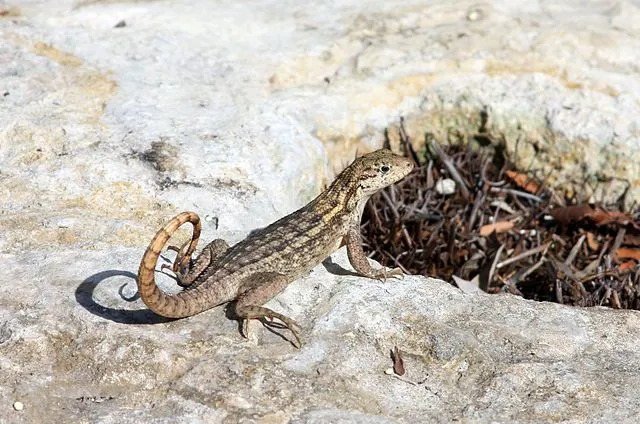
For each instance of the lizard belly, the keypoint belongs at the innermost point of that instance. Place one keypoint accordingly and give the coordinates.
(315, 257)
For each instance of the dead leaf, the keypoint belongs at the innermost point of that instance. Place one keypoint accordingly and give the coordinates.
(625, 266)
(498, 227)
(593, 213)
(628, 253)
(523, 181)
(398, 363)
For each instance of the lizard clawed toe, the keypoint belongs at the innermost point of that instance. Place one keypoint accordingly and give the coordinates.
(171, 275)
(290, 324)
(382, 275)
(395, 273)
(244, 330)
(295, 330)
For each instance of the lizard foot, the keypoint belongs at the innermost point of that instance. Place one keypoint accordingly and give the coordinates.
(172, 274)
(181, 261)
(383, 274)
(167, 266)
(290, 324)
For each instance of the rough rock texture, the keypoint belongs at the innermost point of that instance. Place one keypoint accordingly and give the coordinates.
(116, 114)
(91, 355)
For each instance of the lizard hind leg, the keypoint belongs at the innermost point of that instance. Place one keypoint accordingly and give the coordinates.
(175, 267)
(182, 262)
(187, 275)
(260, 289)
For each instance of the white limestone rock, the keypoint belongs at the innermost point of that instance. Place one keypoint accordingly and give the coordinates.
(242, 111)
(80, 351)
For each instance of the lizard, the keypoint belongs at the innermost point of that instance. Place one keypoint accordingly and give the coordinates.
(259, 267)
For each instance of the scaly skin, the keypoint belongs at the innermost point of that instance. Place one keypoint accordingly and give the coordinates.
(262, 265)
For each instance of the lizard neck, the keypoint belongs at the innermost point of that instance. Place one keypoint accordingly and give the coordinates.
(343, 199)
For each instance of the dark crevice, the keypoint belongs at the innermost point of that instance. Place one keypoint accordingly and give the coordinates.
(543, 249)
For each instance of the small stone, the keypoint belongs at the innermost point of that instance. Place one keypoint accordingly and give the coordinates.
(474, 15)
(446, 186)
(18, 406)
(389, 371)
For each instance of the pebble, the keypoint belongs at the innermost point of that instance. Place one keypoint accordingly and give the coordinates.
(446, 186)
(474, 15)
(18, 406)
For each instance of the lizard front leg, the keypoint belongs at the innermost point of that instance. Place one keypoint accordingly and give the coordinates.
(359, 261)
(258, 290)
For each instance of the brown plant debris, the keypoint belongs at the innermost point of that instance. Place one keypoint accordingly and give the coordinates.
(498, 227)
(593, 213)
(398, 363)
(523, 181)
(503, 230)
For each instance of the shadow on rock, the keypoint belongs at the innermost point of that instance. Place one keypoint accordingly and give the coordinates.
(84, 296)
(335, 269)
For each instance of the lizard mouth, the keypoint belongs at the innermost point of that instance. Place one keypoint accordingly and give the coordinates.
(407, 165)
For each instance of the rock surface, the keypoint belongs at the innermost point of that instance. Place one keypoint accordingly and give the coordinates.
(115, 115)
(90, 355)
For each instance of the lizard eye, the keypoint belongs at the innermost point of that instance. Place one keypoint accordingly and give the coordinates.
(384, 169)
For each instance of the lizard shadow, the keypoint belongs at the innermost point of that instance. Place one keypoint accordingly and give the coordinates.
(84, 297)
(335, 269)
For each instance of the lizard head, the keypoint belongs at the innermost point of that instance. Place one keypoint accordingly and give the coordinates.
(365, 176)
(379, 169)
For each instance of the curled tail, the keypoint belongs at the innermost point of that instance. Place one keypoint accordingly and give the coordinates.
(173, 306)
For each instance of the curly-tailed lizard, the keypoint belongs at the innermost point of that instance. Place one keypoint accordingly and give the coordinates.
(262, 265)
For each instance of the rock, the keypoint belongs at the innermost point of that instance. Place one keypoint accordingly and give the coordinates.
(477, 357)
(243, 112)
(445, 186)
